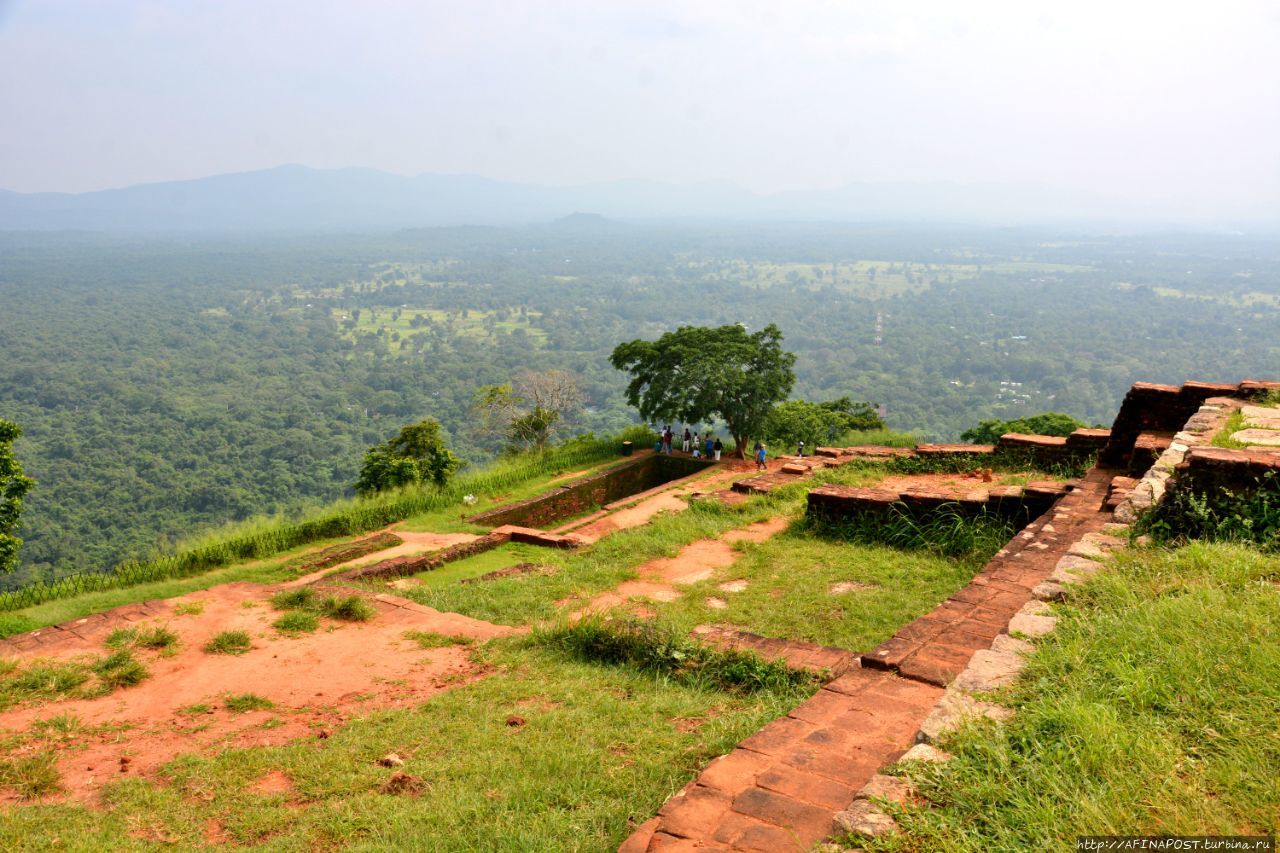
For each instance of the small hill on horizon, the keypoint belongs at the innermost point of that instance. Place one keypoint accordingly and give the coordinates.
(295, 197)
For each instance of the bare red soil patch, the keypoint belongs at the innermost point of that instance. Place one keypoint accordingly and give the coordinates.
(315, 683)
(660, 579)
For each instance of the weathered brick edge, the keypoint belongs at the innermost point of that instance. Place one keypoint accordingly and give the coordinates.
(1046, 450)
(398, 567)
(937, 646)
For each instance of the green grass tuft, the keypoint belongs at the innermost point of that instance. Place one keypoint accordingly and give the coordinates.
(353, 608)
(432, 640)
(294, 599)
(229, 643)
(244, 702)
(119, 669)
(31, 776)
(296, 622)
(661, 652)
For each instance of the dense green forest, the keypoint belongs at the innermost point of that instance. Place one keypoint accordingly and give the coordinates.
(167, 385)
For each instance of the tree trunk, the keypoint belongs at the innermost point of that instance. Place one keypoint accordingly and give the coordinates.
(740, 446)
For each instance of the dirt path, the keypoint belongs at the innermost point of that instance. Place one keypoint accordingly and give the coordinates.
(315, 681)
(660, 579)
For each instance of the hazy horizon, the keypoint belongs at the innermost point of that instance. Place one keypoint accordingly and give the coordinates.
(1143, 109)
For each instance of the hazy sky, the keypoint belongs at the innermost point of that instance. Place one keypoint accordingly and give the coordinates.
(1173, 101)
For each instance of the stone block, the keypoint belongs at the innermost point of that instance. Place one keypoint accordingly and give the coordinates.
(865, 818)
(925, 752)
(988, 670)
(889, 788)
(951, 712)
(1033, 620)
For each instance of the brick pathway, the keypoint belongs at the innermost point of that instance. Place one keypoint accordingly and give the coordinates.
(937, 646)
(778, 790)
(79, 632)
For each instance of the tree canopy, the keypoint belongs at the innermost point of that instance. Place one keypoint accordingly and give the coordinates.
(417, 454)
(526, 414)
(818, 423)
(696, 373)
(1045, 423)
(14, 485)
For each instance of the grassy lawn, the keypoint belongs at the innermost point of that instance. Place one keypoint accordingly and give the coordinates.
(789, 590)
(1151, 709)
(600, 749)
(531, 598)
(510, 554)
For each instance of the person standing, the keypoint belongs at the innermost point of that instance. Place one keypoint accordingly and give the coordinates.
(685, 446)
(800, 451)
(718, 447)
(709, 445)
(761, 454)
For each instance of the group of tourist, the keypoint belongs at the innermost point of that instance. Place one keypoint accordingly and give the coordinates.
(708, 446)
(696, 444)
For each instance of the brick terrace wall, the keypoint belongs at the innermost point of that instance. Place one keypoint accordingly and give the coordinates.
(1216, 469)
(1047, 451)
(1020, 505)
(606, 487)
(1150, 408)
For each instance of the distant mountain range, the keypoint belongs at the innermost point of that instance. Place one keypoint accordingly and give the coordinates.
(301, 198)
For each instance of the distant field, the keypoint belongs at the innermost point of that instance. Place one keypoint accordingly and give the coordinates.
(870, 278)
(1232, 297)
(401, 327)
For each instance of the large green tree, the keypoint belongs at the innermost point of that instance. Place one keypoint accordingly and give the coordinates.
(696, 373)
(1046, 423)
(819, 423)
(14, 485)
(526, 414)
(417, 454)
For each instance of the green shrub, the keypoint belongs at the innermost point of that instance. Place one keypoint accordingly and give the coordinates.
(229, 643)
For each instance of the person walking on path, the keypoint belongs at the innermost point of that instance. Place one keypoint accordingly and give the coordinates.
(687, 437)
(718, 447)
(760, 457)
(800, 452)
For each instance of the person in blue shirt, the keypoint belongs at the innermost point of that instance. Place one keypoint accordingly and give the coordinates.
(760, 456)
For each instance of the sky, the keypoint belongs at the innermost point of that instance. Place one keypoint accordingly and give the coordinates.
(1172, 102)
